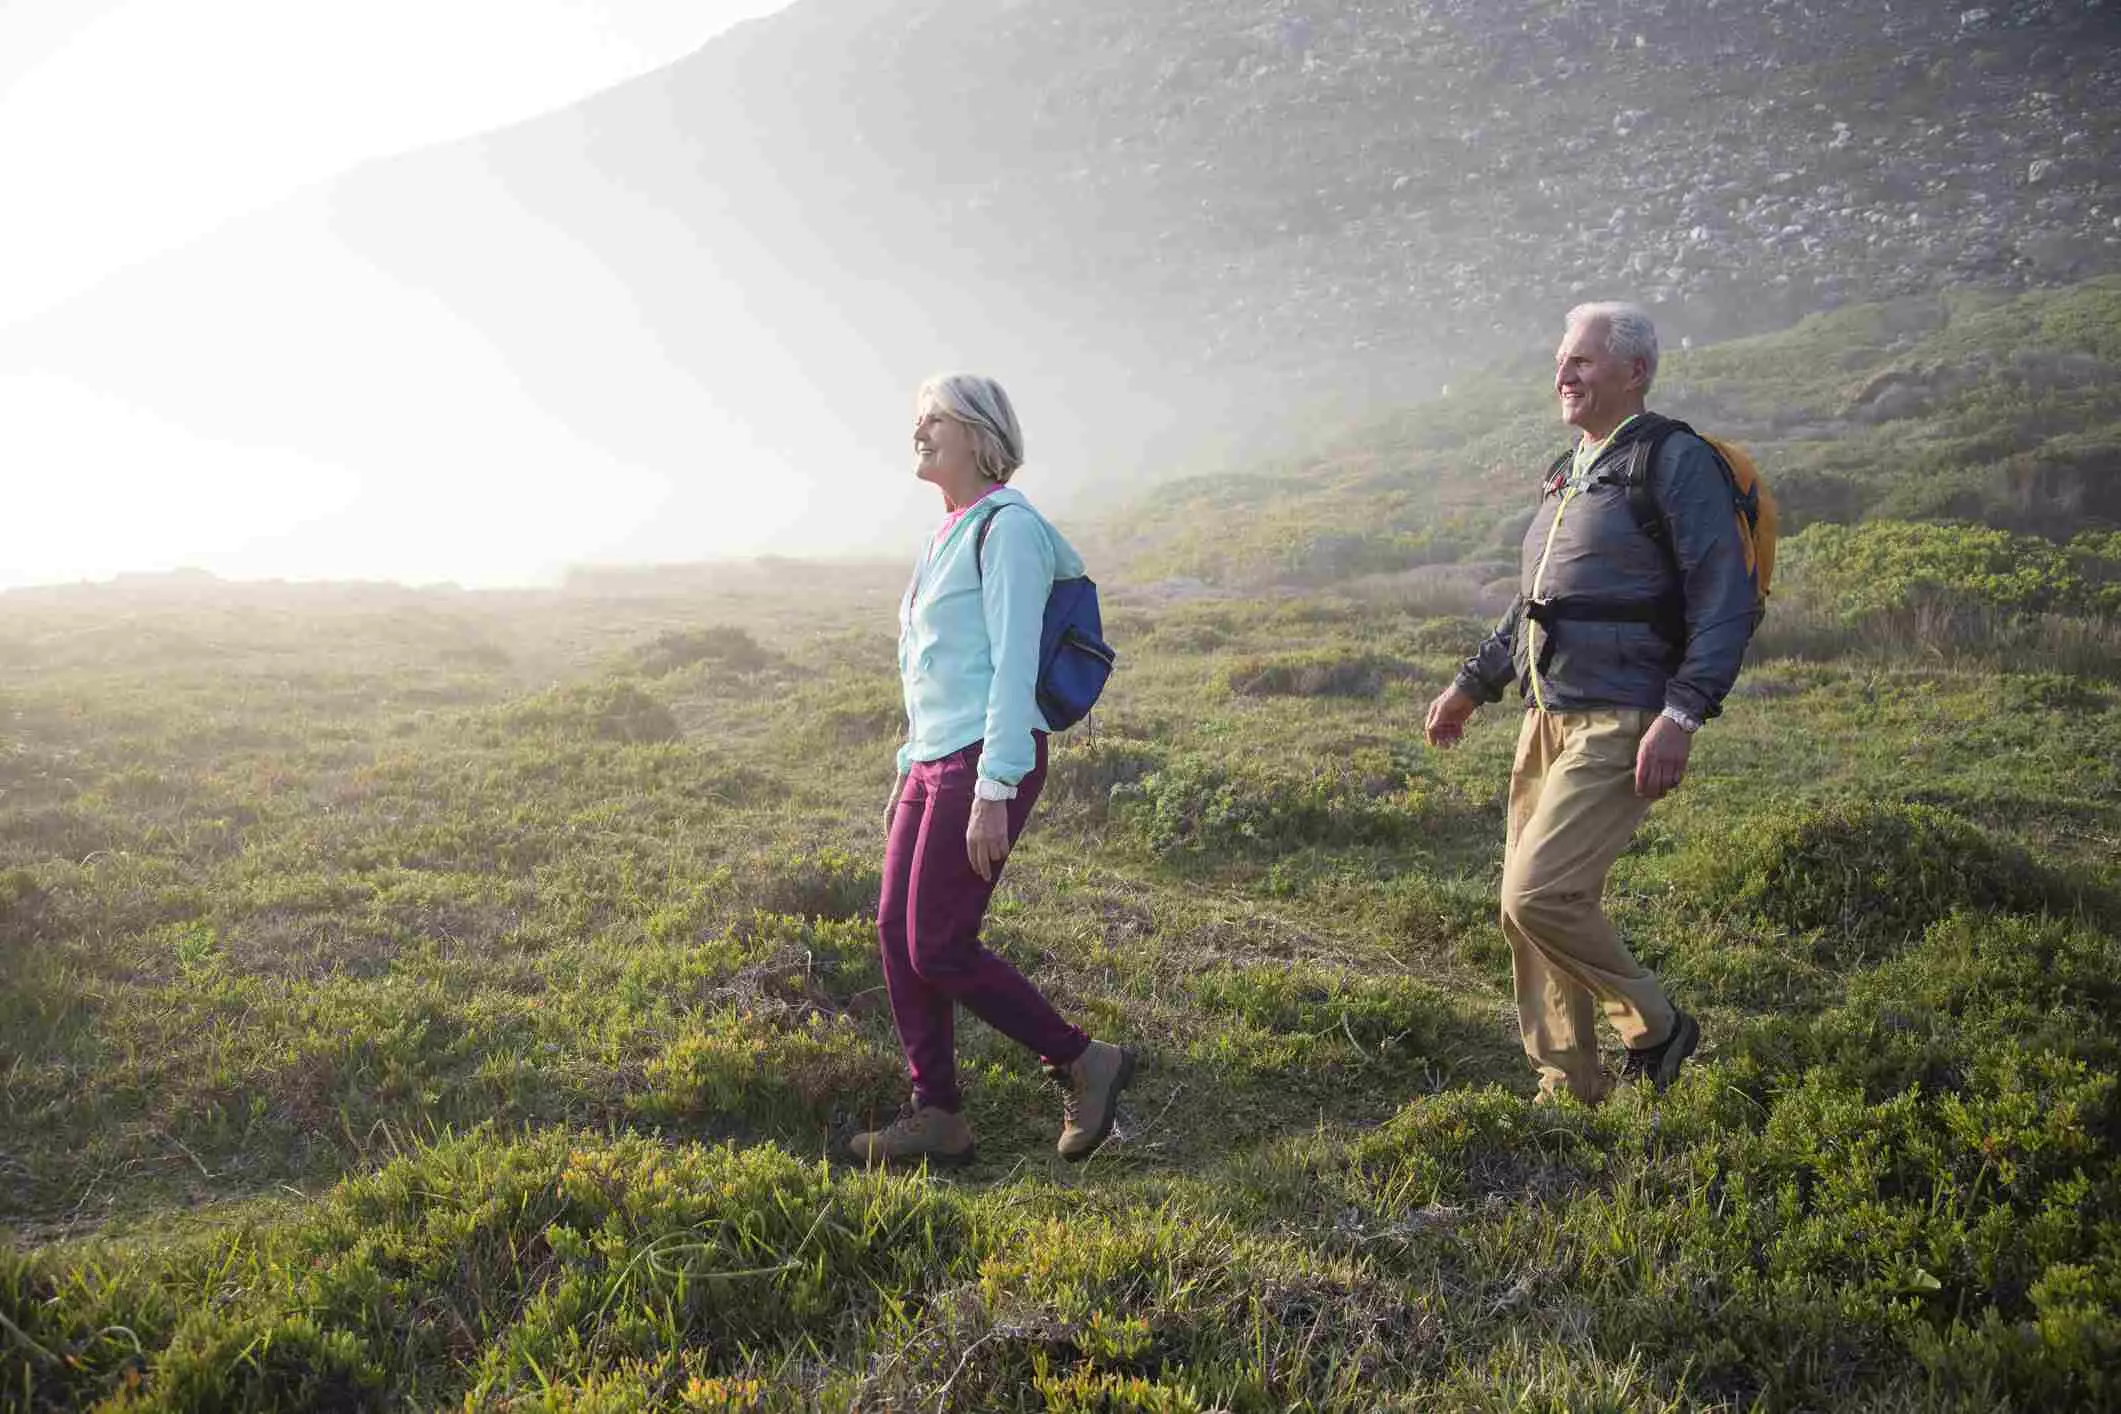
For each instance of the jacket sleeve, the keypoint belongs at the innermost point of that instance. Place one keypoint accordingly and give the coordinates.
(1015, 584)
(1489, 671)
(1695, 495)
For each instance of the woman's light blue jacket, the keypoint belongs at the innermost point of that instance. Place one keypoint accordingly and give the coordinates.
(968, 643)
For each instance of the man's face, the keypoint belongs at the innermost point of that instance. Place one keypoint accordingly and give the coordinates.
(1597, 388)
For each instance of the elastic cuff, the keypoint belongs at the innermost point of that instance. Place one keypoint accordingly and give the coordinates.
(1476, 689)
(1687, 702)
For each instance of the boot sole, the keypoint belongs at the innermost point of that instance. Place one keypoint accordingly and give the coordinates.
(1119, 1083)
(913, 1161)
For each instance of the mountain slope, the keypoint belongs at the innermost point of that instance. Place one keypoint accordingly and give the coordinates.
(1176, 229)
(1348, 185)
(1971, 406)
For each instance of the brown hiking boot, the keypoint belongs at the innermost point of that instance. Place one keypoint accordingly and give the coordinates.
(1090, 1089)
(921, 1132)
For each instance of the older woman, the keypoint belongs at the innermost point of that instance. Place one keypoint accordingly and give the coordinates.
(969, 773)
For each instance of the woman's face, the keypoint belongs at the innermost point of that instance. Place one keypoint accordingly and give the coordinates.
(942, 446)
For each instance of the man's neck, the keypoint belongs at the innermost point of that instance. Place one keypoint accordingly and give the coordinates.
(1595, 435)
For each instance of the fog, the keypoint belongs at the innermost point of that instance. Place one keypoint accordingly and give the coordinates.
(197, 370)
(620, 332)
(477, 294)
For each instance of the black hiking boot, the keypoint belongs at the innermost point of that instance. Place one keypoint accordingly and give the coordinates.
(1659, 1064)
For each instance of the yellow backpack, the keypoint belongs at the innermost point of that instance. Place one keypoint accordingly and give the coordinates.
(1752, 504)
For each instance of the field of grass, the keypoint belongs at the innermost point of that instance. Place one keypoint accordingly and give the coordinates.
(455, 1001)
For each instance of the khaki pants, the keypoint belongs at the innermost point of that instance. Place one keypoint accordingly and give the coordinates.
(1573, 808)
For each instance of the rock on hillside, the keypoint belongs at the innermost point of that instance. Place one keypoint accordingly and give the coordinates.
(1296, 180)
(1167, 223)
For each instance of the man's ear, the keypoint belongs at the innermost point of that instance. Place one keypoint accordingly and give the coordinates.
(1639, 376)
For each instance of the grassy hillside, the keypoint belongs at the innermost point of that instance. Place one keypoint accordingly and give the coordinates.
(1969, 406)
(448, 1000)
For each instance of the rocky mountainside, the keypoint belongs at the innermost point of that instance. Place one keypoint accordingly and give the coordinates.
(1310, 184)
(691, 309)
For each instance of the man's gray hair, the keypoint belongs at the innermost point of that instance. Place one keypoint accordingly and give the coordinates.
(1628, 331)
(981, 404)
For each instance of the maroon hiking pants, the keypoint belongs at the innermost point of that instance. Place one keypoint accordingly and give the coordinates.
(928, 921)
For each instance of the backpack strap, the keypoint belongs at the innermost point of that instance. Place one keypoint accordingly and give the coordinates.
(979, 543)
(1557, 473)
(1633, 476)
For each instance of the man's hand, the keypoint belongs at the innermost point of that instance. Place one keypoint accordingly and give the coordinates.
(1447, 716)
(1660, 762)
(987, 837)
(898, 788)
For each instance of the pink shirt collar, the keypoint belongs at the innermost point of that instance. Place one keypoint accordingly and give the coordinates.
(951, 520)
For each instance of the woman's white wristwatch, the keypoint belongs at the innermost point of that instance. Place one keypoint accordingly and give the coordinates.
(1687, 724)
(985, 789)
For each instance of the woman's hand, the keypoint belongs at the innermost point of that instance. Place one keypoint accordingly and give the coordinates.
(898, 788)
(987, 837)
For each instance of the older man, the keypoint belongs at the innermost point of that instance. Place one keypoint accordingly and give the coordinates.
(1634, 606)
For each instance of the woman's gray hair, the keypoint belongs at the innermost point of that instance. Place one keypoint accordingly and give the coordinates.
(1628, 331)
(980, 403)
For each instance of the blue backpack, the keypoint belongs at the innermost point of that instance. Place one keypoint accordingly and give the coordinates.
(1073, 658)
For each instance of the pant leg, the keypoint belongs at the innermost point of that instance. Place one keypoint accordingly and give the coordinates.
(1573, 809)
(1555, 1016)
(948, 902)
(926, 1018)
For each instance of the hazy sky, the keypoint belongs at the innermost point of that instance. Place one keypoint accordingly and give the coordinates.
(130, 129)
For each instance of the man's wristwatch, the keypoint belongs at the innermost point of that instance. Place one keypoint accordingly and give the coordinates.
(1687, 724)
(985, 789)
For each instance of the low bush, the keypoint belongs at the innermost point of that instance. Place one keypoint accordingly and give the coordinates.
(574, 1257)
(1882, 567)
(1197, 806)
(1864, 880)
(1320, 673)
(726, 647)
(814, 883)
(1086, 771)
(756, 1068)
(1454, 636)
(597, 711)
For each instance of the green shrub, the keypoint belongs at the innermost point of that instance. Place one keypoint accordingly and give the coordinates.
(1320, 673)
(1372, 1014)
(600, 711)
(1455, 636)
(1468, 1144)
(1087, 771)
(1173, 1308)
(1883, 567)
(814, 883)
(1975, 985)
(729, 648)
(285, 1363)
(1195, 806)
(744, 1065)
(1864, 880)
(22, 905)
